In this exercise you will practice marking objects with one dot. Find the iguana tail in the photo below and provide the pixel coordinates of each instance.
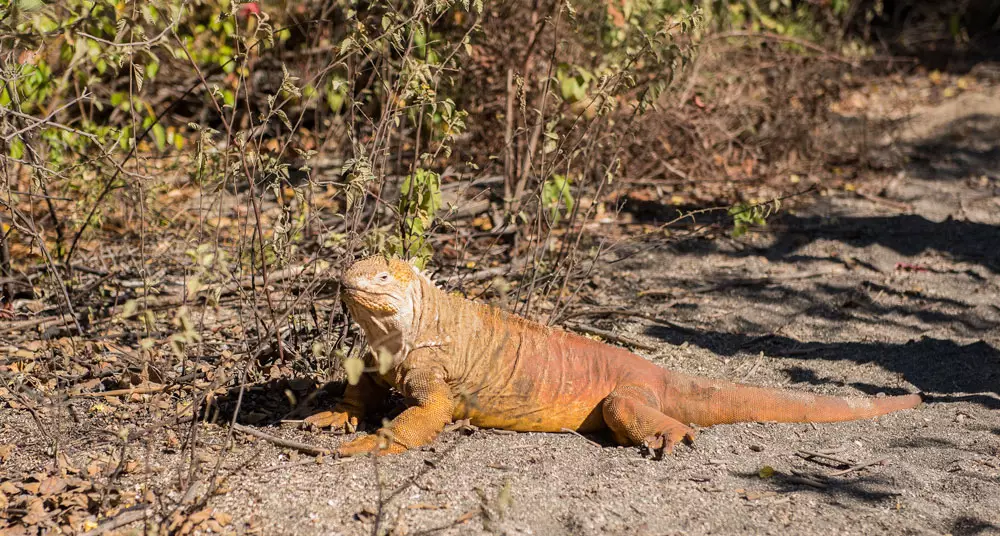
(706, 402)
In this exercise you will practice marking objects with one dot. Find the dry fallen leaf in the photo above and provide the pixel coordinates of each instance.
(16, 530)
(200, 516)
(365, 514)
(223, 518)
(78, 500)
(51, 486)
(36, 512)
(465, 517)
(93, 469)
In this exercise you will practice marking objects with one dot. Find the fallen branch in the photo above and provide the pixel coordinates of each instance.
(145, 390)
(287, 443)
(581, 436)
(136, 434)
(125, 518)
(33, 322)
(891, 203)
(861, 465)
(149, 389)
(809, 454)
(806, 481)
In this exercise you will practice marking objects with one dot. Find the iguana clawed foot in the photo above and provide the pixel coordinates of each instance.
(379, 444)
(337, 420)
(662, 443)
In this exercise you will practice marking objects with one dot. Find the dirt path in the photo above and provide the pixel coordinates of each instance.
(851, 295)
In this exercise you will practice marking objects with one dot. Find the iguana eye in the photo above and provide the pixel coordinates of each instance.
(384, 276)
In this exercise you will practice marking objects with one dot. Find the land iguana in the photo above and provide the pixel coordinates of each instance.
(454, 358)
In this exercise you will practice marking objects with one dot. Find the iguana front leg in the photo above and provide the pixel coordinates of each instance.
(351, 409)
(415, 426)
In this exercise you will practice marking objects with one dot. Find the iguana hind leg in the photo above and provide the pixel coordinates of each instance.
(633, 415)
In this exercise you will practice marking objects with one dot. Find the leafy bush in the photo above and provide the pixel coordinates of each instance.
(341, 124)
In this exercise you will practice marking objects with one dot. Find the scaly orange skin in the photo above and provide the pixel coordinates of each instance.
(458, 359)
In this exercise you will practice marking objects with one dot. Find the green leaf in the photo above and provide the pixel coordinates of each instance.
(573, 82)
(160, 136)
(345, 45)
(29, 5)
(335, 100)
(16, 148)
(557, 197)
(125, 139)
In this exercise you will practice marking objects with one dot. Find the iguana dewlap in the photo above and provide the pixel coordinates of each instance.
(457, 359)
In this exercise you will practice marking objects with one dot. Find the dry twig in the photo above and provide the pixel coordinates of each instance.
(809, 455)
(581, 436)
(125, 518)
(861, 465)
(806, 481)
(144, 390)
(287, 443)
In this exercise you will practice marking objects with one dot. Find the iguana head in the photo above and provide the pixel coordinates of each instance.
(384, 296)
(379, 285)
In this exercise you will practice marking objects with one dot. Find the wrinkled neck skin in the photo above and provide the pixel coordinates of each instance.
(400, 332)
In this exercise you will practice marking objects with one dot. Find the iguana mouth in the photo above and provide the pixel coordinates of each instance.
(352, 294)
(345, 289)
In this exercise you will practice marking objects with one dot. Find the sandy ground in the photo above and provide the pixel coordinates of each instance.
(847, 296)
